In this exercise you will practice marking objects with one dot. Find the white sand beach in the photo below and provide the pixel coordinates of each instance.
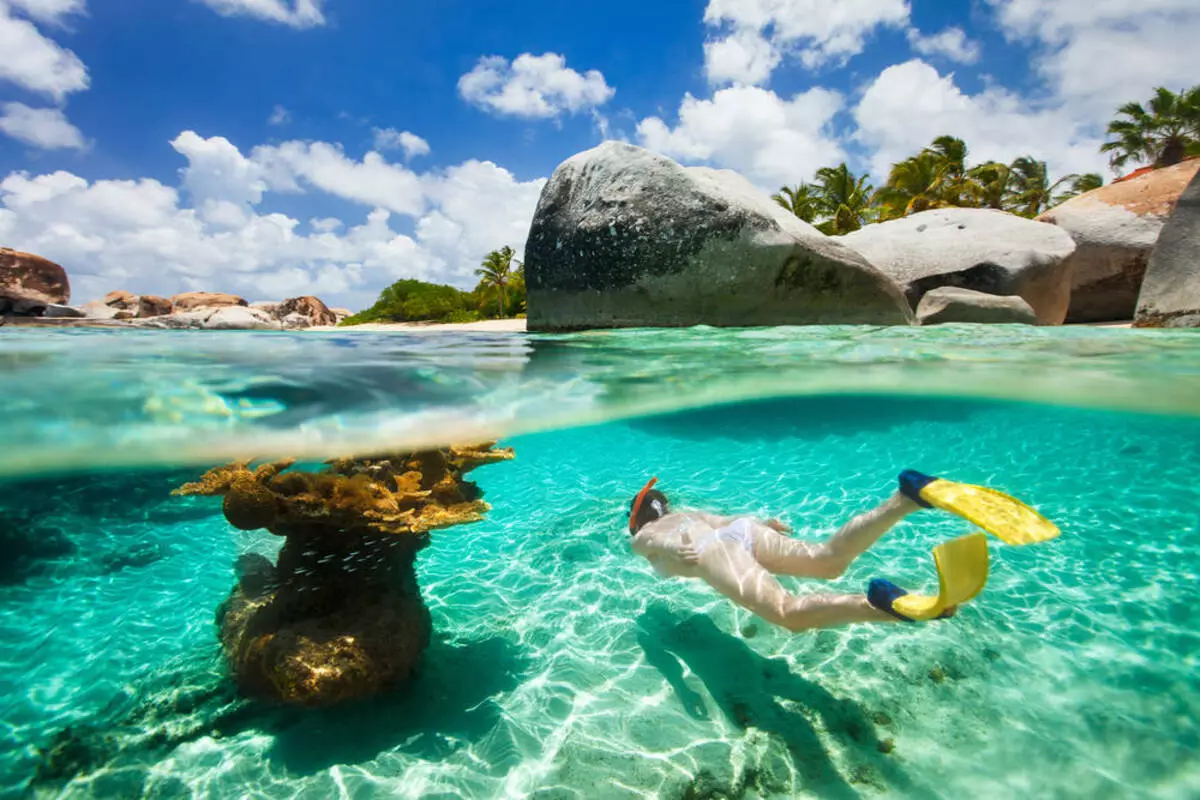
(485, 326)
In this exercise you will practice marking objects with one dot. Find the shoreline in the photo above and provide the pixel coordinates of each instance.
(484, 326)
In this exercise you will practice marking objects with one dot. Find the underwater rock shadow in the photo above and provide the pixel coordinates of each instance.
(748, 688)
(448, 703)
(805, 417)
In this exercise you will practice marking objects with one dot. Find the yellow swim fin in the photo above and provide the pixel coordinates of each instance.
(962, 566)
(1005, 517)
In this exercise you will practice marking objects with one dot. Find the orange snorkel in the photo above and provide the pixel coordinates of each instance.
(637, 504)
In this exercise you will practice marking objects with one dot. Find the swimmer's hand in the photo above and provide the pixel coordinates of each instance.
(776, 525)
(686, 552)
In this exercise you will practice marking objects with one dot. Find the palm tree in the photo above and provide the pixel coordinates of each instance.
(914, 185)
(1162, 136)
(496, 270)
(987, 184)
(801, 201)
(951, 155)
(1078, 185)
(1030, 189)
(845, 200)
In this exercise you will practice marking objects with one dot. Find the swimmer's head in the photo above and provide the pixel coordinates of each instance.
(653, 506)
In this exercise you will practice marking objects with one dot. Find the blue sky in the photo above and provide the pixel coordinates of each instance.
(282, 147)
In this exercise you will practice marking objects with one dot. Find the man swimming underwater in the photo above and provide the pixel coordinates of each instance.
(740, 557)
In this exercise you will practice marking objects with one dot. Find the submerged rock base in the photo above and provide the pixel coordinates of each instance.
(340, 615)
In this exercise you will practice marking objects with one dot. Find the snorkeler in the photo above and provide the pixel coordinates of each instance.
(740, 557)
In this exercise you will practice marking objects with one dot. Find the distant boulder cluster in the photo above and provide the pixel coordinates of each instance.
(36, 290)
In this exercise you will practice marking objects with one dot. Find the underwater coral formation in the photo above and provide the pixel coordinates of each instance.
(339, 615)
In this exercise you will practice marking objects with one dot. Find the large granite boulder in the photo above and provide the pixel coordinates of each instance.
(29, 283)
(189, 301)
(1115, 228)
(623, 237)
(989, 251)
(307, 307)
(951, 304)
(141, 306)
(1170, 295)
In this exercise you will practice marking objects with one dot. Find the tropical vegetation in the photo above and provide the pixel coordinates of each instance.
(501, 290)
(1165, 133)
(837, 201)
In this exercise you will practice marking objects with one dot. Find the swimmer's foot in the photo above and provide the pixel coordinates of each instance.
(883, 594)
(911, 484)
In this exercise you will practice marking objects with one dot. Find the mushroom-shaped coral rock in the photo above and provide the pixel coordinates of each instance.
(339, 615)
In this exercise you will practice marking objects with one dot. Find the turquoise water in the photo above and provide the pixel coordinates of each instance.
(562, 666)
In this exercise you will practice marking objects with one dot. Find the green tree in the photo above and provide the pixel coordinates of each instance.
(845, 200)
(987, 184)
(1078, 184)
(1161, 136)
(1030, 189)
(416, 301)
(914, 185)
(495, 273)
(950, 153)
(801, 201)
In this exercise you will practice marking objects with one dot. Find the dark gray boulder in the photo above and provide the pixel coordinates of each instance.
(623, 237)
(1170, 295)
(1115, 228)
(989, 251)
(951, 304)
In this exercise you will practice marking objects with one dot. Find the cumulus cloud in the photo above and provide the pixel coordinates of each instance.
(533, 86)
(910, 104)
(144, 236)
(46, 128)
(373, 181)
(33, 61)
(410, 143)
(754, 131)
(279, 116)
(52, 11)
(754, 35)
(952, 43)
(1098, 54)
(293, 13)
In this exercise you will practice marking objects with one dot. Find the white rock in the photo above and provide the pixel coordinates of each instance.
(990, 251)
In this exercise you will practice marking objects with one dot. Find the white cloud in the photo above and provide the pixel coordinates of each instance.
(293, 13)
(141, 236)
(373, 181)
(763, 31)
(910, 104)
(279, 116)
(51, 11)
(951, 43)
(46, 128)
(533, 86)
(754, 131)
(1098, 54)
(392, 139)
(742, 57)
(35, 62)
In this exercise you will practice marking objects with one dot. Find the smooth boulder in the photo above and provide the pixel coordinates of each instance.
(988, 251)
(1170, 296)
(140, 305)
(222, 318)
(1115, 228)
(29, 283)
(623, 237)
(190, 301)
(306, 307)
(952, 304)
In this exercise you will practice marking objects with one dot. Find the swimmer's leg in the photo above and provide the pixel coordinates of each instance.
(829, 559)
(733, 572)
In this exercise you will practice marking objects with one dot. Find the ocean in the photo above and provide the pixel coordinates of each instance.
(561, 665)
